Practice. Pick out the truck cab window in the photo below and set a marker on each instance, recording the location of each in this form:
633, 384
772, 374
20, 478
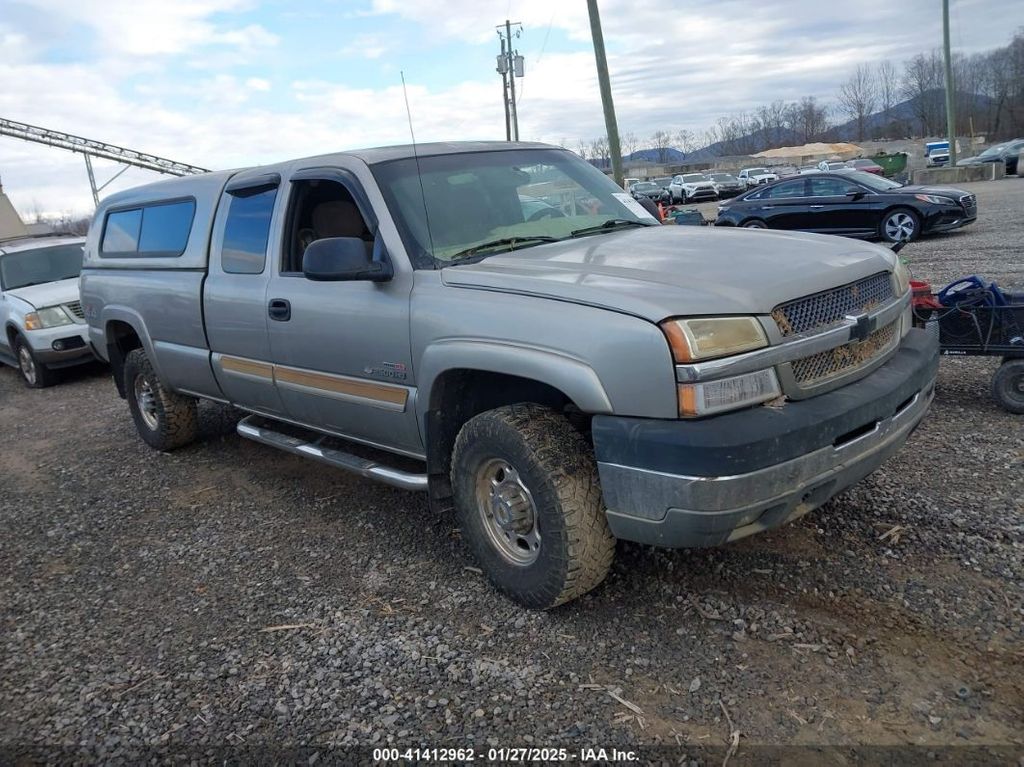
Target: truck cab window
320, 209
247, 230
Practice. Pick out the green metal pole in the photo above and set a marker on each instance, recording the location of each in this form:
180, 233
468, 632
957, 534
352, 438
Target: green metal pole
606, 91
950, 113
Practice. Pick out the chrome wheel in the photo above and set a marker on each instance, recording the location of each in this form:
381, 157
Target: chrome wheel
27, 365
754, 225
146, 400
508, 512
900, 226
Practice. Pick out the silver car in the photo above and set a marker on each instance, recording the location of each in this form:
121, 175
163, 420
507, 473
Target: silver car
44, 326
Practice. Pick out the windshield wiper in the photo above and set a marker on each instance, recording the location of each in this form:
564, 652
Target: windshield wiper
513, 243
609, 225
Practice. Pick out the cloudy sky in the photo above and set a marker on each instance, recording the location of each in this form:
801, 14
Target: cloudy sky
226, 83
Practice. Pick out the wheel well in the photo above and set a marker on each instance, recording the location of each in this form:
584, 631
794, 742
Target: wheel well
894, 208
459, 394
121, 339
12, 333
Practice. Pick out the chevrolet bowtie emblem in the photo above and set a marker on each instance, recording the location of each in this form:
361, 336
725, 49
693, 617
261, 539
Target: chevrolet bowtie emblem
862, 326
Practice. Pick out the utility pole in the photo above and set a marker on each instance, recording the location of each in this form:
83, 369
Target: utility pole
950, 113
510, 66
503, 71
606, 91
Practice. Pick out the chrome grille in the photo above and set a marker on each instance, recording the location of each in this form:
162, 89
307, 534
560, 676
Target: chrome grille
830, 306
75, 307
968, 201
843, 359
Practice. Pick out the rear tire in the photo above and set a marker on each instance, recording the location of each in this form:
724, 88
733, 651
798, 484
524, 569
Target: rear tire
1008, 385
34, 374
164, 419
528, 499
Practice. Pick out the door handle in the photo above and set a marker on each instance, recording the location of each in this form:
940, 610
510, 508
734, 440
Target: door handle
767, 207
817, 206
280, 309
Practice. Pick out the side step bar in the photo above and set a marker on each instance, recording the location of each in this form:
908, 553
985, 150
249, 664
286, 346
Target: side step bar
258, 431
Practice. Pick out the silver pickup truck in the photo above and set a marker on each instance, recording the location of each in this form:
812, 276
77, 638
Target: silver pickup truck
500, 326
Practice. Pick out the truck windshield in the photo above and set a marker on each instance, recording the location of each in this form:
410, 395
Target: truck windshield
40, 265
522, 197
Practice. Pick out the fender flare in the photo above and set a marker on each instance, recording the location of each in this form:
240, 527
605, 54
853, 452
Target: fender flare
129, 316
572, 376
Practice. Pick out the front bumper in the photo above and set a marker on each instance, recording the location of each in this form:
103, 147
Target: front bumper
706, 482
947, 218
62, 346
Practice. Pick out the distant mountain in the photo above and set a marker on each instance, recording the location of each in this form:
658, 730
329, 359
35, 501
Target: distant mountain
672, 156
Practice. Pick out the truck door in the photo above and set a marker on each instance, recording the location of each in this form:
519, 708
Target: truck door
235, 292
341, 349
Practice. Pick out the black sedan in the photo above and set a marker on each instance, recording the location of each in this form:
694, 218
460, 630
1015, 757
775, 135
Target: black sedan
650, 190
851, 203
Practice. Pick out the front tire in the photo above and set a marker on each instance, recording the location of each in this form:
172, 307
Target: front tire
528, 499
754, 223
166, 420
34, 374
900, 224
1008, 385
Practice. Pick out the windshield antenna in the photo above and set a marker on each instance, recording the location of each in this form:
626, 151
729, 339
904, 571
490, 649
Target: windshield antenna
419, 174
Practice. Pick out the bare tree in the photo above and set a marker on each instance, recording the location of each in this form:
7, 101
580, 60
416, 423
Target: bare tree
628, 143
807, 119
858, 97
922, 85
888, 88
599, 150
661, 141
772, 124
686, 141
582, 149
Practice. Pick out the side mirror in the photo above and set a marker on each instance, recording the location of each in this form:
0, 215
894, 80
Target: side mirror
342, 259
855, 194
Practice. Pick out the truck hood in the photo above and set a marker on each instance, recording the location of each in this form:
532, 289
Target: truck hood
48, 294
664, 271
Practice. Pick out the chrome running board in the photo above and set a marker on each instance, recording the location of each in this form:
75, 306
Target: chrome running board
256, 428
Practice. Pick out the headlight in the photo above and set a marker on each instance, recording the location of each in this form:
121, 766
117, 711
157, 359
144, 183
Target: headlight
50, 317
935, 199
901, 276
710, 337
710, 397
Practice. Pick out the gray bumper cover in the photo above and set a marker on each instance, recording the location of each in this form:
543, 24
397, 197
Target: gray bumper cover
654, 506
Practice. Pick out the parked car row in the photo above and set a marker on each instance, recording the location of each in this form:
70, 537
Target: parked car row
717, 184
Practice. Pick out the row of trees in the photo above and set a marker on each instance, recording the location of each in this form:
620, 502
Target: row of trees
877, 101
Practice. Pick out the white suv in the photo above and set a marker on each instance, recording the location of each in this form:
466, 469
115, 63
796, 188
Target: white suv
751, 177
43, 323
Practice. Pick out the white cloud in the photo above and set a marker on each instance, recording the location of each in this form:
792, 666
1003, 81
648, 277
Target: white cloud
155, 27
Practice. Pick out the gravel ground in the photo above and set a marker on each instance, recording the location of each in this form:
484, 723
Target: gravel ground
231, 595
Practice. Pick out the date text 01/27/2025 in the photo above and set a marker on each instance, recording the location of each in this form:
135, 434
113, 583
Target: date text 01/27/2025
522, 754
